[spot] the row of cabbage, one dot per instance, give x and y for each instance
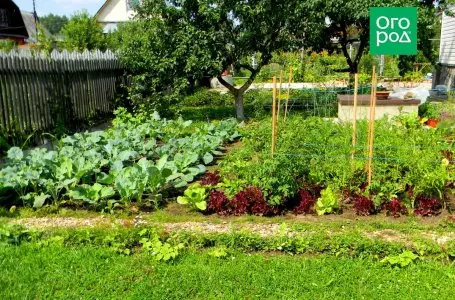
(138, 159)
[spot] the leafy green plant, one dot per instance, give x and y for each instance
(429, 110)
(38, 200)
(159, 250)
(196, 196)
(92, 194)
(218, 252)
(14, 234)
(402, 260)
(139, 159)
(232, 187)
(328, 202)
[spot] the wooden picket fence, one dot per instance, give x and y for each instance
(38, 91)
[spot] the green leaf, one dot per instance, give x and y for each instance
(182, 200)
(328, 202)
(179, 183)
(40, 200)
(207, 158)
(15, 153)
(126, 155)
(105, 179)
(162, 162)
(201, 205)
(107, 192)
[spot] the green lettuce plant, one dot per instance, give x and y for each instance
(328, 202)
(196, 196)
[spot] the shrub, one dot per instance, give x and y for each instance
(306, 203)
(395, 208)
(203, 97)
(425, 206)
(363, 206)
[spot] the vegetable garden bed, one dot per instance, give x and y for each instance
(312, 171)
(142, 159)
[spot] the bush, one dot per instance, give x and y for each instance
(203, 97)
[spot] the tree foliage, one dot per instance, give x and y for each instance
(82, 32)
(44, 42)
(348, 21)
(188, 40)
(54, 23)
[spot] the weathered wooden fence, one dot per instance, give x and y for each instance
(37, 91)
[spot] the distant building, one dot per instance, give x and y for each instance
(115, 12)
(12, 25)
(18, 26)
(445, 74)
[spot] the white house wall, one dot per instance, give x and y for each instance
(115, 12)
(447, 50)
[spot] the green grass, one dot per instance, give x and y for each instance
(89, 273)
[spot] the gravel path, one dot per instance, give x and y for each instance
(263, 230)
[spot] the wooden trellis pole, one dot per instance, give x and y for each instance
(279, 96)
(354, 120)
(289, 94)
(273, 114)
(371, 125)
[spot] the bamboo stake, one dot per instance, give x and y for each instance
(289, 94)
(273, 114)
(279, 97)
(371, 138)
(354, 124)
(369, 117)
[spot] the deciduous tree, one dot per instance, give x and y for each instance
(83, 32)
(192, 39)
(348, 21)
(53, 23)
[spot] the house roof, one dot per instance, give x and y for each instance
(11, 22)
(30, 24)
(29, 21)
(102, 7)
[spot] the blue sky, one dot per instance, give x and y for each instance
(60, 7)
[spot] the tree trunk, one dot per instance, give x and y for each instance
(240, 111)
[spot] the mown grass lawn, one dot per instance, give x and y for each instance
(29, 272)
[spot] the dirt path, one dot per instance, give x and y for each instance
(264, 230)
